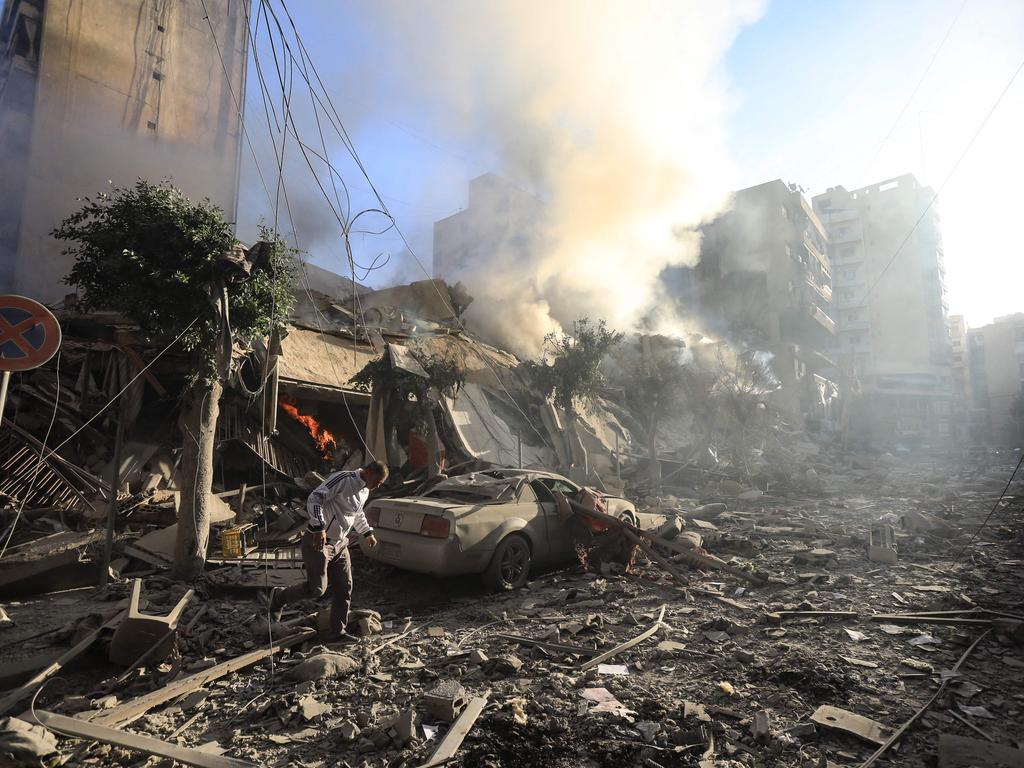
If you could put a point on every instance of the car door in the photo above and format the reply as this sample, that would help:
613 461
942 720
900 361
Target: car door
529 508
559 538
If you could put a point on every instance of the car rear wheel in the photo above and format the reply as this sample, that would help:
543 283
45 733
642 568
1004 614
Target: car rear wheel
510 565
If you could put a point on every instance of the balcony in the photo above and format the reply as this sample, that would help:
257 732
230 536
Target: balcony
823 319
823 292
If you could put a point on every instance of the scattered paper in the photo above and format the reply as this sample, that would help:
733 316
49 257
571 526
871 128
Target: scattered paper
612 669
855 635
605 701
430 731
924 640
893 629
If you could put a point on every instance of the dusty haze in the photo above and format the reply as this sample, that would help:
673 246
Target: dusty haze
612 113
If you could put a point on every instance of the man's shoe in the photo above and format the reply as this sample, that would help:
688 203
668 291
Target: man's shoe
274 606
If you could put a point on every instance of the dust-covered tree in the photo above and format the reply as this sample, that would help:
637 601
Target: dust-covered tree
569 371
173 266
656 386
419 380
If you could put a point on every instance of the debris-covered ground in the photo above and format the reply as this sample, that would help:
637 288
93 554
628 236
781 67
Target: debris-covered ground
727 672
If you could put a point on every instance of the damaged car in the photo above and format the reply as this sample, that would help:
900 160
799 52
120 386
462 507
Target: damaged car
501 523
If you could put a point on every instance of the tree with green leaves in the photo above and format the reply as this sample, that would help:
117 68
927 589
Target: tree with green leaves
173 266
569 372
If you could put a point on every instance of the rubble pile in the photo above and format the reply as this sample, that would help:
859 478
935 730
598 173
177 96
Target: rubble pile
817 665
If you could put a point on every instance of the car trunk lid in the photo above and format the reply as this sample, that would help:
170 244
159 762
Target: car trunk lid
407 514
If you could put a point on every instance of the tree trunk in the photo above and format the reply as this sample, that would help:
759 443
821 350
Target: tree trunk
577 451
198 423
654 465
391 404
433 442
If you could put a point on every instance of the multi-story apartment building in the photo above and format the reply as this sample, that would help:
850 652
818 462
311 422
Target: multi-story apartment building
995 361
961 402
500 219
94 92
764 277
892 344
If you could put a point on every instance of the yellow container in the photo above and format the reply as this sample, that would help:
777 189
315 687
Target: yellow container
232 542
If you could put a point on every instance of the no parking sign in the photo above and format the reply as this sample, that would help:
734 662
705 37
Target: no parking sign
29 336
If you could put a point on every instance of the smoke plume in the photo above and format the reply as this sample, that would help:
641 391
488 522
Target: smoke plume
611 113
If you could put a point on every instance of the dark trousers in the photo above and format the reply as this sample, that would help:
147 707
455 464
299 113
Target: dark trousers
331 569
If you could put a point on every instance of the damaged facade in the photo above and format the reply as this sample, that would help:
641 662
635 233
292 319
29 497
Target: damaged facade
893 346
97 92
764 281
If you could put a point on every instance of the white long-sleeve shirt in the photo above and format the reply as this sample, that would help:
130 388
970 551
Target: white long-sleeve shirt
337 506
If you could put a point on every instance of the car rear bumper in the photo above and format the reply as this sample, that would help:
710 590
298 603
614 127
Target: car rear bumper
412 552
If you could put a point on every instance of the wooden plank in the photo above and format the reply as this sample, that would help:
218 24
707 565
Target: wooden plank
135 708
85 730
624 646
952 621
663 561
457 733
27 689
844 720
553 647
961 752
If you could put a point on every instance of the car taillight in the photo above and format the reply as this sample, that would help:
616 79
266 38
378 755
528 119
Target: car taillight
434 527
373 517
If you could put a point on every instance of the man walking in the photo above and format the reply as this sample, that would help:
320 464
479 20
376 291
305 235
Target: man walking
335 508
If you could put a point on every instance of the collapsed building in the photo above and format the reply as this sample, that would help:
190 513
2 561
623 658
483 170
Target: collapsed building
764 282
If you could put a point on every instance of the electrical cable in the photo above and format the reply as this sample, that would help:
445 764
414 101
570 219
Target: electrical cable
945 181
992 511
913 93
352 151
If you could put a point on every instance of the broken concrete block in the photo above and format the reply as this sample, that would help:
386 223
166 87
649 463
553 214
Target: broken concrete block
648 730
803 731
445 701
760 727
743 656
477 657
502 666
322 666
311 709
402 728
348 730
192 701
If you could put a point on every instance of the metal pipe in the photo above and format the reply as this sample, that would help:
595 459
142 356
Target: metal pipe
3 391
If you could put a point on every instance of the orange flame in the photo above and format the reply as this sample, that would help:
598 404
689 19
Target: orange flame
325 441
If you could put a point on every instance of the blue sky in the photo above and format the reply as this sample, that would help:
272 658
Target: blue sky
811 90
